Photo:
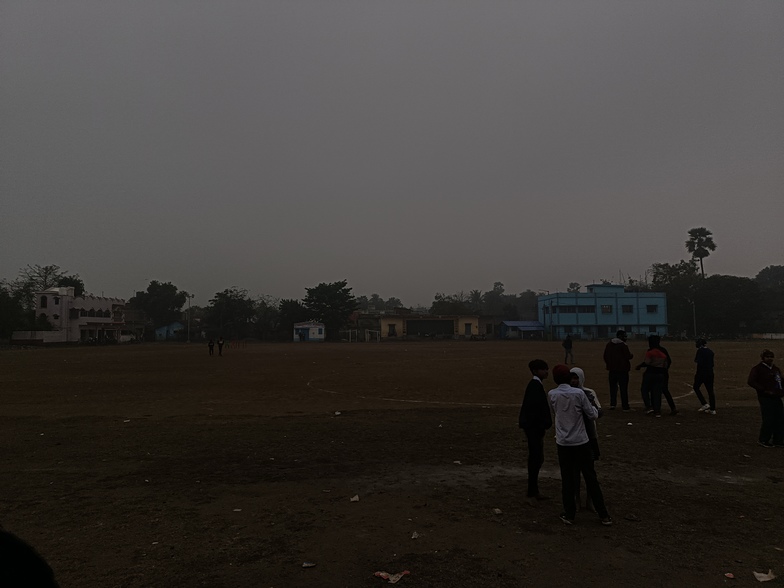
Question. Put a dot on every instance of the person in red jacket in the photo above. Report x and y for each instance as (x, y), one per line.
(617, 359)
(765, 378)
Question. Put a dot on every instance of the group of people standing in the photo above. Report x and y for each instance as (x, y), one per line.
(211, 346)
(576, 409)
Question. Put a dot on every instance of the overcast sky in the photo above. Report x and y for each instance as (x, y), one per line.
(410, 147)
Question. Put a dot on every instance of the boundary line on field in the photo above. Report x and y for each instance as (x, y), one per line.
(448, 403)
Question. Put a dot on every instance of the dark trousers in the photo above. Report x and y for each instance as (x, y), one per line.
(663, 389)
(656, 385)
(576, 460)
(706, 378)
(619, 380)
(772, 410)
(535, 459)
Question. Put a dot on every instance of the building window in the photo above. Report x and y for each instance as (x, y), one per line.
(606, 308)
(567, 309)
(652, 308)
(91, 312)
(587, 330)
(321, 331)
(568, 330)
(57, 300)
(56, 317)
(43, 301)
(82, 312)
(627, 308)
(586, 309)
(546, 309)
(652, 328)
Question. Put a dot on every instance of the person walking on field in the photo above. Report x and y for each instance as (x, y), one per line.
(535, 419)
(617, 359)
(220, 345)
(567, 345)
(574, 450)
(765, 378)
(211, 346)
(704, 375)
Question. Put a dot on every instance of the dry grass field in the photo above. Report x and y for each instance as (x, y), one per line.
(157, 465)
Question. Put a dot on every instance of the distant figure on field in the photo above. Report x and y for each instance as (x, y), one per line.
(574, 451)
(211, 346)
(567, 345)
(704, 375)
(578, 381)
(220, 345)
(617, 359)
(535, 419)
(765, 378)
(21, 565)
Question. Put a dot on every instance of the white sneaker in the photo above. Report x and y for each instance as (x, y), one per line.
(711, 411)
(704, 408)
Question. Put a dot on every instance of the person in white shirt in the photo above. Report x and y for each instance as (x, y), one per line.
(570, 405)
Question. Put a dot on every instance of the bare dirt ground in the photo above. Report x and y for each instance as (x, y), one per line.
(156, 465)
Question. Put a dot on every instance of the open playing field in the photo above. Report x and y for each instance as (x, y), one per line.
(156, 465)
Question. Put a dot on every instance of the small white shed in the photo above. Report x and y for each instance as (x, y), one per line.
(309, 331)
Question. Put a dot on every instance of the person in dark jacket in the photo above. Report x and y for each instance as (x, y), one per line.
(567, 345)
(535, 419)
(765, 378)
(704, 375)
(617, 359)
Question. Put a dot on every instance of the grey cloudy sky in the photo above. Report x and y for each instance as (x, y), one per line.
(409, 147)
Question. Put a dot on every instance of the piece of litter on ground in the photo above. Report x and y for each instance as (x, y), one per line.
(337, 413)
(127, 421)
(393, 578)
(326, 490)
(778, 549)
(415, 535)
(629, 424)
(155, 543)
(355, 498)
(456, 462)
(729, 575)
(497, 511)
(633, 518)
(765, 577)
(308, 564)
(237, 510)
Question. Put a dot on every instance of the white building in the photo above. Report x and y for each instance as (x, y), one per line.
(309, 331)
(76, 318)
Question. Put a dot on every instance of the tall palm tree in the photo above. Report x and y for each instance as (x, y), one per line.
(700, 244)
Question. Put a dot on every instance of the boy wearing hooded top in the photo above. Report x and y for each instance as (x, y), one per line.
(574, 451)
(578, 381)
(535, 420)
(617, 359)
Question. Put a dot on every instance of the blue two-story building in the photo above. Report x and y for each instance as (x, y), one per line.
(601, 311)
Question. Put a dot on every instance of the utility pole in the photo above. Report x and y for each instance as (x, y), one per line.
(189, 316)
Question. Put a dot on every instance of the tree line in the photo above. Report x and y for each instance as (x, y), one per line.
(698, 304)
